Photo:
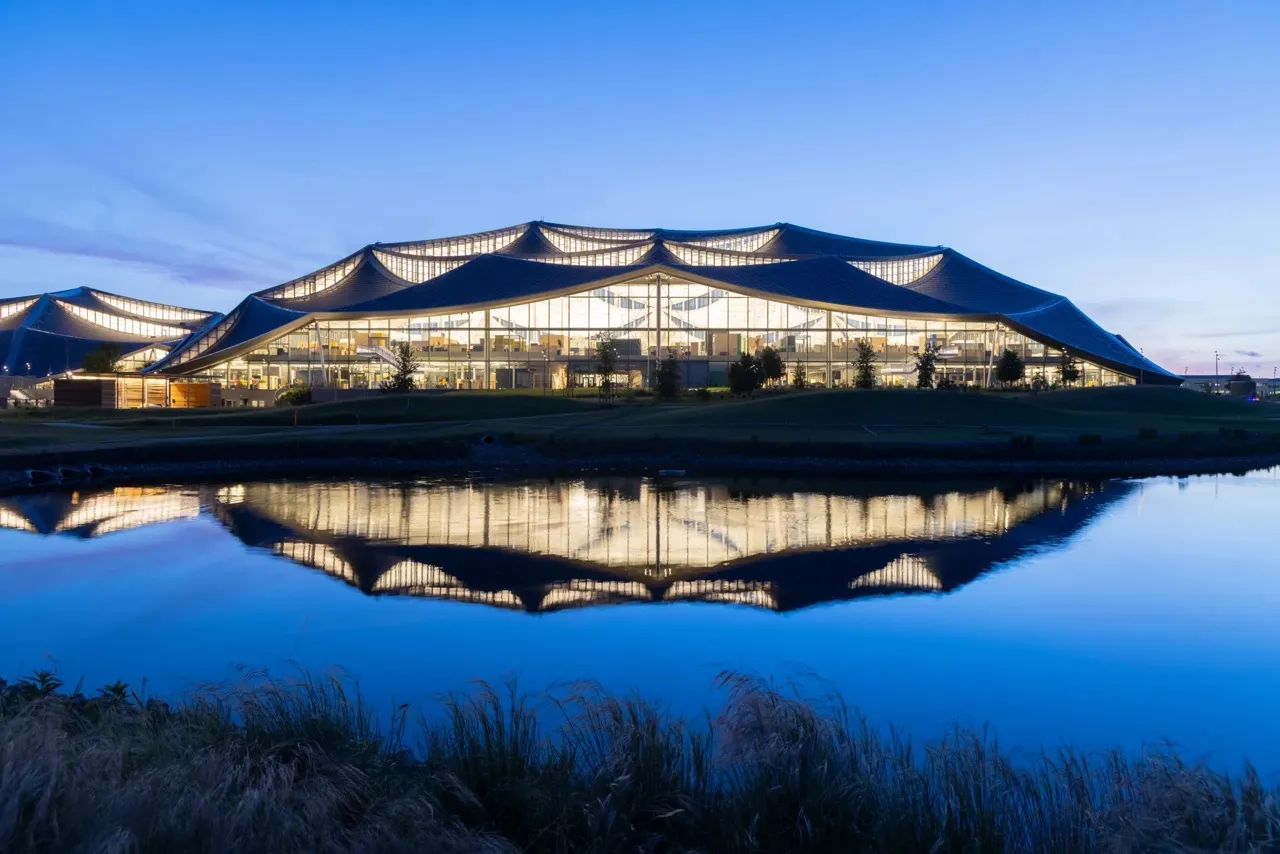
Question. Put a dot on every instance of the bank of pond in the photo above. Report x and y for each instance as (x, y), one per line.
(304, 764)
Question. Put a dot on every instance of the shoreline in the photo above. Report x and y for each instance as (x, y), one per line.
(503, 461)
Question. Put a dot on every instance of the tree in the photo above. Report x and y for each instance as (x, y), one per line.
(771, 365)
(606, 365)
(926, 365)
(864, 366)
(1010, 368)
(745, 375)
(102, 360)
(405, 360)
(1068, 369)
(668, 377)
(798, 379)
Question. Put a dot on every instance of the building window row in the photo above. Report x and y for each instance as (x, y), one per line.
(416, 269)
(151, 310)
(11, 308)
(566, 241)
(900, 271)
(699, 257)
(208, 339)
(313, 284)
(127, 325)
(750, 242)
(608, 258)
(612, 234)
(468, 244)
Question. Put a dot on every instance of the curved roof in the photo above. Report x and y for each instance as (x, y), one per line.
(538, 259)
(48, 334)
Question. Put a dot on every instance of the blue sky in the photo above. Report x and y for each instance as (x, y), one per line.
(1124, 154)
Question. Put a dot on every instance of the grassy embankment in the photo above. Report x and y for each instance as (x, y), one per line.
(1112, 423)
(278, 767)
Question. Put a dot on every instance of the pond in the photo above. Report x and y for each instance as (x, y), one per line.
(1099, 613)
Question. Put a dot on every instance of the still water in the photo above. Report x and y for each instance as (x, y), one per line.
(1098, 613)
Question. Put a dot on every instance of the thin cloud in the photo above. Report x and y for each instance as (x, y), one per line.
(1231, 333)
(182, 263)
(1252, 354)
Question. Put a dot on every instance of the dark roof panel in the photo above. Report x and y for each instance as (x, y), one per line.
(828, 280)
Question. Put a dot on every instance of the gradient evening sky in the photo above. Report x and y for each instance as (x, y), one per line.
(1126, 154)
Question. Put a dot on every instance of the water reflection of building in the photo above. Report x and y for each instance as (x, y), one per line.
(96, 512)
(542, 546)
(550, 545)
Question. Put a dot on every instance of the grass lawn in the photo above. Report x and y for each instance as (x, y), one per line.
(831, 419)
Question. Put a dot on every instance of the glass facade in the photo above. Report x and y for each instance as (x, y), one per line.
(11, 308)
(127, 325)
(151, 310)
(550, 343)
(899, 271)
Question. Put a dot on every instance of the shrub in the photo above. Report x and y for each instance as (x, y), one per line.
(294, 395)
(945, 383)
(1148, 434)
(703, 393)
(745, 375)
(1090, 439)
(1023, 442)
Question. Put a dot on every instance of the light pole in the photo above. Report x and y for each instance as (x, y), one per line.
(1215, 372)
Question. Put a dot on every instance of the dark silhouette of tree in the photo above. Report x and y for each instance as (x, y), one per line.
(102, 360)
(798, 379)
(606, 365)
(926, 365)
(745, 375)
(402, 368)
(1068, 369)
(864, 365)
(771, 365)
(668, 377)
(1010, 368)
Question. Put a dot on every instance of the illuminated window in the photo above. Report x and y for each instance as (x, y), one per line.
(127, 325)
(152, 310)
(467, 244)
(900, 271)
(208, 339)
(315, 283)
(140, 359)
(699, 257)
(568, 242)
(11, 308)
(749, 242)
(416, 268)
(607, 234)
(609, 258)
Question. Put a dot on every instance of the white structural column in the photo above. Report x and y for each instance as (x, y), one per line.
(489, 385)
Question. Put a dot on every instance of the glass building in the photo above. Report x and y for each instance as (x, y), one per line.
(525, 307)
(50, 334)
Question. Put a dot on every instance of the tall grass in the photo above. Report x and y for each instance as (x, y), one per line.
(302, 765)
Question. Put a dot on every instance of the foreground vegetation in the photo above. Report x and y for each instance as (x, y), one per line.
(269, 766)
(1088, 424)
